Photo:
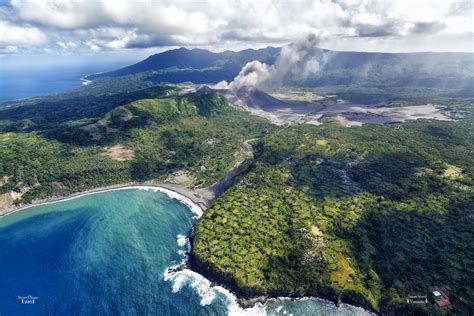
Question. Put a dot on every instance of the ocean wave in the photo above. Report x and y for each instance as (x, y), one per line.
(183, 242)
(281, 305)
(203, 287)
(195, 209)
(86, 81)
(208, 292)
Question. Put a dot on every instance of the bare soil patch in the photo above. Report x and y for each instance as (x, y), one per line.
(119, 153)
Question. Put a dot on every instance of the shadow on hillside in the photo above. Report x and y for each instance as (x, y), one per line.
(325, 177)
(413, 248)
(50, 114)
(388, 174)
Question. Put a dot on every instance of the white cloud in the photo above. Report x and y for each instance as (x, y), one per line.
(119, 24)
(12, 35)
(67, 14)
(9, 49)
(66, 45)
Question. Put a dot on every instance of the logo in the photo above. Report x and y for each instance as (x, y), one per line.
(27, 300)
(417, 299)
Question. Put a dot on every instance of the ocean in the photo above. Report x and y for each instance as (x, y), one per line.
(18, 81)
(108, 254)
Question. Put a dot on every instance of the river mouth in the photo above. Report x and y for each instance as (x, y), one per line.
(109, 253)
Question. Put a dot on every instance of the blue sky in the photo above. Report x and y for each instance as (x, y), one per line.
(133, 29)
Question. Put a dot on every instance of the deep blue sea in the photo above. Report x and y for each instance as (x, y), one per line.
(28, 80)
(107, 254)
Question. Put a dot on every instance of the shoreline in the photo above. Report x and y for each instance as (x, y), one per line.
(197, 200)
(239, 301)
(85, 81)
(202, 197)
(247, 299)
(198, 197)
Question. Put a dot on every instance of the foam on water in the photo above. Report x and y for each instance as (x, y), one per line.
(89, 249)
(126, 238)
(194, 208)
(275, 306)
(182, 240)
(202, 286)
(209, 293)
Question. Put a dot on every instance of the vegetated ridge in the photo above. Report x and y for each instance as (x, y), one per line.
(366, 215)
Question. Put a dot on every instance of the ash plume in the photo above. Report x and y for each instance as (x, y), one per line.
(293, 61)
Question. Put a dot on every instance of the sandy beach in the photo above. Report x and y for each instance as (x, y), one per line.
(199, 197)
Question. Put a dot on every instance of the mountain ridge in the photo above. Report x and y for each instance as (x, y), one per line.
(371, 69)
(183, 58)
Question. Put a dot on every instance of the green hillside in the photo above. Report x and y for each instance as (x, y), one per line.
(62, 148)
(367, 215)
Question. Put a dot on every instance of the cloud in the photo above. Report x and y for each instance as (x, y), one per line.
(13, 35)
(150, 40)
(61, 14)
(427, 27)
(66, 45)
(370, 30)
(122, 24)
(401, 18)
(8, 50)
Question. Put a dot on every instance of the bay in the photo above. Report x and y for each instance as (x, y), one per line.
(109, 253)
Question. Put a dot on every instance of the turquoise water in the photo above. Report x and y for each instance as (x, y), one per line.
(107, 254)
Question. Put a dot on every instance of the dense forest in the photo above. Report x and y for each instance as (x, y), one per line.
(367, 215)
(59, 146)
